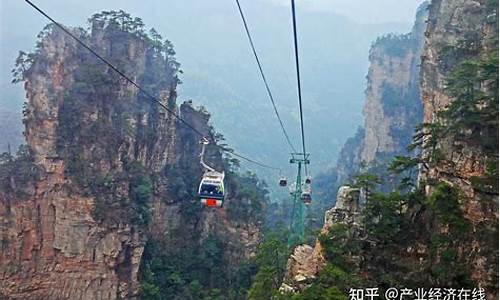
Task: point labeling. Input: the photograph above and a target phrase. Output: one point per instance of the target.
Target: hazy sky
(363, 11)
(220, 71)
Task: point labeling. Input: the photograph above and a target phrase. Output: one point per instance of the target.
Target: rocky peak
(306, 262)
(83, 125)
(392, 107)
(391, 110)
(116, 170)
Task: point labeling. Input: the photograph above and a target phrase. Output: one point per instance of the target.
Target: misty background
(220, 72)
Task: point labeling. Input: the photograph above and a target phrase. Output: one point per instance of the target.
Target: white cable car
(306, 198)
(283, 182)
(308, 180)
(306, 194)
(211, 189)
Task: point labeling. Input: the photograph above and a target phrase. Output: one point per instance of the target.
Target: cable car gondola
(306, 194)
(283, 182)
(306, 198)
(308, 180)
(211, 189)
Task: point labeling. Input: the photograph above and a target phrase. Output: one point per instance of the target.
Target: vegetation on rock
(17, 172)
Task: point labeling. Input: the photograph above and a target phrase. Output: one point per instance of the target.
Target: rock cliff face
(114, 169)
(460, 31)
(392, 107)
(55, 247)
(469, 27)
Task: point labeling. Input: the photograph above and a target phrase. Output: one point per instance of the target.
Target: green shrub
(17, 172)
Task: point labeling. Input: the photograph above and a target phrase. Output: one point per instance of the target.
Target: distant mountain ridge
(392, 110)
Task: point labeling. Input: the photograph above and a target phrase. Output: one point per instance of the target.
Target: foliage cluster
(185, 268)
(191, 273)
(270, 261)
(394, 45)
(122, 195)
(25, 60)
(17, 172)
(470, 121)
(120, 24)
(448, 268)
(252, 196)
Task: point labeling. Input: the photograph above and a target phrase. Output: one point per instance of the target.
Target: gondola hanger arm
(204, 143)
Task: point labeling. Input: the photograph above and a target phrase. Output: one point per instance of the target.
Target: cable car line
(247, 30)
(151, 97)
(301, 192)
(252, 161)
(299, 90)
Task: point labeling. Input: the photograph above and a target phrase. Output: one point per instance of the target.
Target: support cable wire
(151, 97)
(299, 90)
(247, 30)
